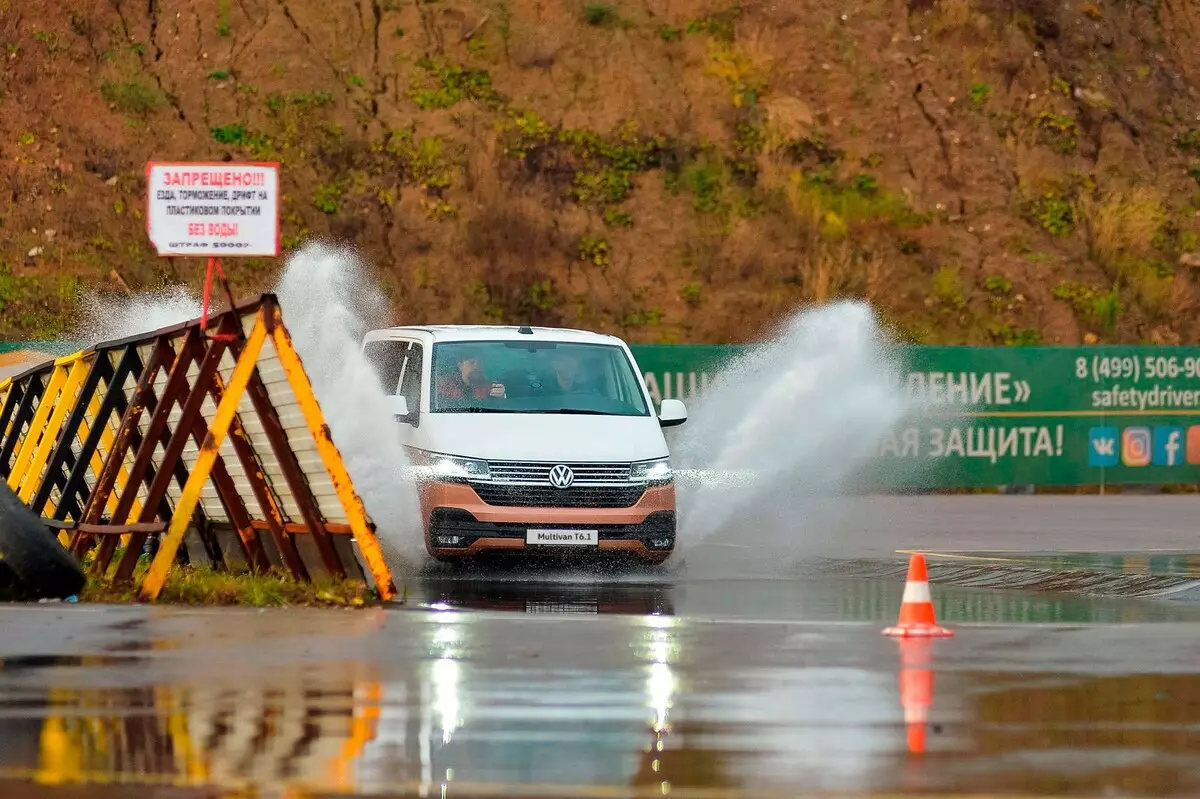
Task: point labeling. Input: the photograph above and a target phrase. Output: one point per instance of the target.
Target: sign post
(211, 210)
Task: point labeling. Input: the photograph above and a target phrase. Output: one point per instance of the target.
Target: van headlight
(447, 468)
(655, 471)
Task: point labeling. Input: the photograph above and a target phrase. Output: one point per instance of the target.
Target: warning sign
(213, 209)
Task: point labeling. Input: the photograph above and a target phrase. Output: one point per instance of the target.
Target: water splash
(329, 301)
(108, 317)
(770, 450)
(783, 430)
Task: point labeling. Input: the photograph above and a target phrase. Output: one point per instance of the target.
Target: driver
(466, 380)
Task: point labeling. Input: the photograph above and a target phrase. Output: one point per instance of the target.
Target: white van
(530, 439)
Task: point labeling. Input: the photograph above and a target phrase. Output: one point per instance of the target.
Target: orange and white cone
(916, 690)
(916, 609)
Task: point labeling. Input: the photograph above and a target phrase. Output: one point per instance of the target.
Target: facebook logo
(1102, 446)
(1168, 446)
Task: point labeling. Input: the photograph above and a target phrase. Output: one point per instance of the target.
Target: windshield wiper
(580, 412)
(476, 409)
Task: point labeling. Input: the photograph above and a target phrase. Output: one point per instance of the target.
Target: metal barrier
(169, 433)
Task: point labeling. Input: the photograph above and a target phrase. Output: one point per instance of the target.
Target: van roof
(498, 333)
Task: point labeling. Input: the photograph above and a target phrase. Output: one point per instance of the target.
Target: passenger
(466, 380)
(566, 373)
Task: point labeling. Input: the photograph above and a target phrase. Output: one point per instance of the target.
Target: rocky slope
(671, 170)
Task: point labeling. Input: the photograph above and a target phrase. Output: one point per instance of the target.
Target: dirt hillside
(671, 170)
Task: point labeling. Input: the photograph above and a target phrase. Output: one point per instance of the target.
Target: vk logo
(1102, 446)
(1168, 446)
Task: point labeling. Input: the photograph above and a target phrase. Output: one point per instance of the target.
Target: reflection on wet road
(610, 690)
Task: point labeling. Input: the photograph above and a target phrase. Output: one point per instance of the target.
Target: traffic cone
(916, 610)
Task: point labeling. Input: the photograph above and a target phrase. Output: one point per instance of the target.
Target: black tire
(36, 565)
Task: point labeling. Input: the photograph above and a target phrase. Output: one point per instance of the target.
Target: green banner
(1015, 415)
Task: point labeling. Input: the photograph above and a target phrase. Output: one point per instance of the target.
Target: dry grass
(1122, 226)
(1121, 229)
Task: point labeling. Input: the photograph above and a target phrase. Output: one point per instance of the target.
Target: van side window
(410, 384)
(387, 359)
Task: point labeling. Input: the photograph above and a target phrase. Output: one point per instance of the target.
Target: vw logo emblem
(561, 476)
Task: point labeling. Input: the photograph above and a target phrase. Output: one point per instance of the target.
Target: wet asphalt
(754, 667)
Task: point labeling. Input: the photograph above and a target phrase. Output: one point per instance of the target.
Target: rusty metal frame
(291, 468)
(71, 497)
(179, 457)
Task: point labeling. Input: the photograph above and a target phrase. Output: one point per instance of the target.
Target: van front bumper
(458, 523)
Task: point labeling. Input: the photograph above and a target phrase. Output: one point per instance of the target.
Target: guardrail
(173, 432)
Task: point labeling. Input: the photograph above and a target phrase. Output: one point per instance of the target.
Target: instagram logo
(1135, 446)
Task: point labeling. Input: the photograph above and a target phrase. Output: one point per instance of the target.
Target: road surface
(747, 672)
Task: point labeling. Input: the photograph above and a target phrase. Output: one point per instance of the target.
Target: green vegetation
(998, 285)
(979, 94)
(838, 208)
(745, 79)
(719, 26)
(948, 287)
(219, 74)
(1189, 141)
(692, 294)
(1057, 131)
(602, 166)
(229, 134)
(594, 249)
(670, 33)
(428, 161)
(133, 97)
(279, 101)
(446, 85)
(328, 198)
(1053, 213)
(195, 585)
(705, 180)
(599, 15)
(1194, 172)
(223, 25)
(1091, 306)
(51, 41)
(617, 217)
(1006, 334)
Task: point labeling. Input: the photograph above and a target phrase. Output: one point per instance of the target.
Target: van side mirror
(399, 407)
(672, 412)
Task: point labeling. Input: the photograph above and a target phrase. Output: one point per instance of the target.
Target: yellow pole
(45, 405)
(289, 359)
(156, 577)
(64, 405)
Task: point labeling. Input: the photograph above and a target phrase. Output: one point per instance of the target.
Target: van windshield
(534, 377)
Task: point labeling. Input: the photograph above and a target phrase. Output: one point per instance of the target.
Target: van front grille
(534, 496)
(539, 473)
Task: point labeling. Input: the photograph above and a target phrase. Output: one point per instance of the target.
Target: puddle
(748, 709)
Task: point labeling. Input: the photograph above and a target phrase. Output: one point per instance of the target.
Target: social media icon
(1168, 445)
(1193, 445)
(1135, 446)
(1102, 446)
